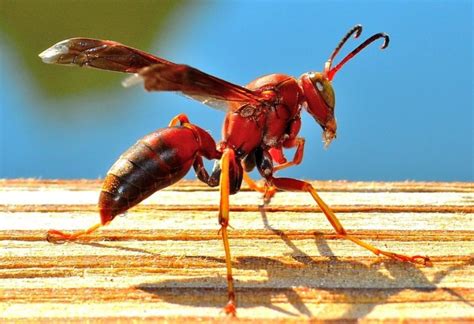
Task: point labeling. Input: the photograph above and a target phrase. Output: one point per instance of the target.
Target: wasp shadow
(345, 280)
(361, 285)
(117, 247)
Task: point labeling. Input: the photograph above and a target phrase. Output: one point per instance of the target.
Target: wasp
(262, 120)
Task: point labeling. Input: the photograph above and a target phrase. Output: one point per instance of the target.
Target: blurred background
(404, 113)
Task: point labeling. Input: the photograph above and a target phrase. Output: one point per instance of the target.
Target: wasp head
(320, 102)
(317, 87)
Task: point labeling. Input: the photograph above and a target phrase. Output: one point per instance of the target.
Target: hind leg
(298, 185)
(55, 236)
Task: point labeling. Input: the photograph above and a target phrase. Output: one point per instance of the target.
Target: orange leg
(55, 236)
(227, 158)
(298, 185)
(297, 158)
(267, 189)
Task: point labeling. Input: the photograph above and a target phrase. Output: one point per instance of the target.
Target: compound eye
(324, 88)
(319, 86)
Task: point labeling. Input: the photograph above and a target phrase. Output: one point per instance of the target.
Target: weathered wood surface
(165, 260)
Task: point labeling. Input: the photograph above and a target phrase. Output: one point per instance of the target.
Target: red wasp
(262, 119)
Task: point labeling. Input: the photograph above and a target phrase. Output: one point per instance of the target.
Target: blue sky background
(404, 113)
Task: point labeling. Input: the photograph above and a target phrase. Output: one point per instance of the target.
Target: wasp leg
(267, 189)
(277, 154)
(55, 236)
(298, 185)
(297, 158)
(227, 158)
(180, 119)
(203, 175)
(291, 141)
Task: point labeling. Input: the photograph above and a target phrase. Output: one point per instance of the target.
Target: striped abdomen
(153, 163)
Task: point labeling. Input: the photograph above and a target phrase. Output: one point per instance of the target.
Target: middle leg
(267, 189)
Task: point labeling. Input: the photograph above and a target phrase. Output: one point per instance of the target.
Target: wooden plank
(191, 185)
(164, 260)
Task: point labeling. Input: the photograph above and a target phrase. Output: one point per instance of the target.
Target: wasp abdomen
(153, 163)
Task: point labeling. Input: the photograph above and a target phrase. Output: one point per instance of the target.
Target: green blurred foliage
(31, 26)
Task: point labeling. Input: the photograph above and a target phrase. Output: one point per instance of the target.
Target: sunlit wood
(165, 260)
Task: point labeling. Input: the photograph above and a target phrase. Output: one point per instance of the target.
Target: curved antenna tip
(354, 31)
(386, 41)
(331, 72)
(358, 30)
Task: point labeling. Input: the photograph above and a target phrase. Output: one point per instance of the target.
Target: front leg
(297, 158)
(292, 140)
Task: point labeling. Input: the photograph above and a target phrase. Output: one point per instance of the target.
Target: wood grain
(164, 260)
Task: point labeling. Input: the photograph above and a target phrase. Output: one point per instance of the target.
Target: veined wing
(156, 73)
(194, 83)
